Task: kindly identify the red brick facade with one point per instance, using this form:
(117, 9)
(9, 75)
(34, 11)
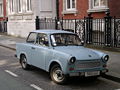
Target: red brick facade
(114, 6)
(83, 5)
(4, 11)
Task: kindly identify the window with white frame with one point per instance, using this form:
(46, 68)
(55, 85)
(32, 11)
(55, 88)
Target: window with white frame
(1, 9)
(70, 4)
(19, 6)
(11, 6)
(29, 5)
(98, 5)
(69, 7)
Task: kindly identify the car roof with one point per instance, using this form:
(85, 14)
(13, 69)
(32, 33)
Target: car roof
(51, 31)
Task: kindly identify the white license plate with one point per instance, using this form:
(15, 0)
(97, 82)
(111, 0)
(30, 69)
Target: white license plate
(94, 73)
(74, 74)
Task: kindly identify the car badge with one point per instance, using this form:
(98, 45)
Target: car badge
(89, 55)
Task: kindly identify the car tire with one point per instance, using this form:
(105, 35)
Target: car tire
(23, 61)
(57, 75)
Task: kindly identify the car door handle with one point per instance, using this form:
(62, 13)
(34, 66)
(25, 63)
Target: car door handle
(32, 48)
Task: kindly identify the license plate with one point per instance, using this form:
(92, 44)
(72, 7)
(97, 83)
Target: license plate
(74, 74)
(95, 73)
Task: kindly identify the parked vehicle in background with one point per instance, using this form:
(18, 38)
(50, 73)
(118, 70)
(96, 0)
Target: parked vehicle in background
(61, 54)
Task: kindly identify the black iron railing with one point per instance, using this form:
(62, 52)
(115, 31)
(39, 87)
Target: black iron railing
(3, 26)
(103, 32)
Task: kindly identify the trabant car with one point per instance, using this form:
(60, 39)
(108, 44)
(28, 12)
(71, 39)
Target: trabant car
(61, 54)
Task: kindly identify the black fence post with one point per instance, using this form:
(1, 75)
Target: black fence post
(89, 29)
(37, 22)
(108, 29)
(84, 32)
(115, 40)
(75, 31)
(56, 23)
(62, 24)
(5, 25)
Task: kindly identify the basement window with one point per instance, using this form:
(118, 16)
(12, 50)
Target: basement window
(19, 6)
(98, 5)
(29, 5)
(70, 4)
(11, 6)
(69, 7)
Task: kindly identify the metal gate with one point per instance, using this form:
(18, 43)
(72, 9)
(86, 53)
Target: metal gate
(117, 33)
(3, 26)
(80, 30)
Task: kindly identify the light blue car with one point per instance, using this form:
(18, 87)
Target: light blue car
(61, 54)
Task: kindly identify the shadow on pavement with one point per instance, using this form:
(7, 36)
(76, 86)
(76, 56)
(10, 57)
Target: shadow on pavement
(113, 78)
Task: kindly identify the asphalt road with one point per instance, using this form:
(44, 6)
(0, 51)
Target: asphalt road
(13, 77)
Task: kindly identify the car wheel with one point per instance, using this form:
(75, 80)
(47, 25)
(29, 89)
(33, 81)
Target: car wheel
(23, 62)
(57, 75)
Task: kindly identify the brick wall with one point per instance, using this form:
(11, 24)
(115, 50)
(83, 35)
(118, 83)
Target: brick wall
(4, 8)
(4, 11)
(114, 6)
(83, 5)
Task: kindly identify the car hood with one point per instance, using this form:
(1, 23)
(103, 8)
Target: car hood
(79, 52)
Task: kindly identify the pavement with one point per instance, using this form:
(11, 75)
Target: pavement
(10, 41)
(113, 64)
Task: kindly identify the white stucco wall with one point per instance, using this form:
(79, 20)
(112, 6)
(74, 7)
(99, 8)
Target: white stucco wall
(44, 8)
(20, 24)
(21, 28)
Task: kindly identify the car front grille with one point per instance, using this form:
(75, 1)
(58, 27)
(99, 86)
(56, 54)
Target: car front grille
(87, 64)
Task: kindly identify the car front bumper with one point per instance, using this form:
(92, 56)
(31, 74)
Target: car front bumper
(88, 73)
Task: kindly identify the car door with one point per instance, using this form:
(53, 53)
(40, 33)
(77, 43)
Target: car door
(30, 47)
(40, 50)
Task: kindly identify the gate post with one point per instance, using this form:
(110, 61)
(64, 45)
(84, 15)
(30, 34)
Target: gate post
(56, 23)
(108, 29)
(37, 22)
(89, 27)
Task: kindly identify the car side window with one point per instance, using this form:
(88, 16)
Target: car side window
(31, 38)
(42, 39)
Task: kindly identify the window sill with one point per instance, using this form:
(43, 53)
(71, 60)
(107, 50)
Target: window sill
(21, 13)
(1, 16)
(69, 12)
(97, 10)
(28, 13)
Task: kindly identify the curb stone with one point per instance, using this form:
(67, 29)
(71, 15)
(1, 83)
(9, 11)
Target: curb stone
(8, 47)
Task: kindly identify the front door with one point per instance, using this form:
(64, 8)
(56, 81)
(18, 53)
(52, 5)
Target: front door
(30, 47)
(40, 51)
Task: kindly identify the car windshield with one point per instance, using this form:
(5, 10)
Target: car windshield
(65, 39)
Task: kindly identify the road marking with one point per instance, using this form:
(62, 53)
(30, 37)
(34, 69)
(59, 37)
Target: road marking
(11, 73)
(36, 87)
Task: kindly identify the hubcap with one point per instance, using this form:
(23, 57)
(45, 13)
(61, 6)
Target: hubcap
(58, 75)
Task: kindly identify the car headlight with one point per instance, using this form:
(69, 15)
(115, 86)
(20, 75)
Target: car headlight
(105, 58)
(72, 60)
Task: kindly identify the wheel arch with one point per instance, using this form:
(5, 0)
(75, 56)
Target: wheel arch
(21, 56)
(52, 64)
